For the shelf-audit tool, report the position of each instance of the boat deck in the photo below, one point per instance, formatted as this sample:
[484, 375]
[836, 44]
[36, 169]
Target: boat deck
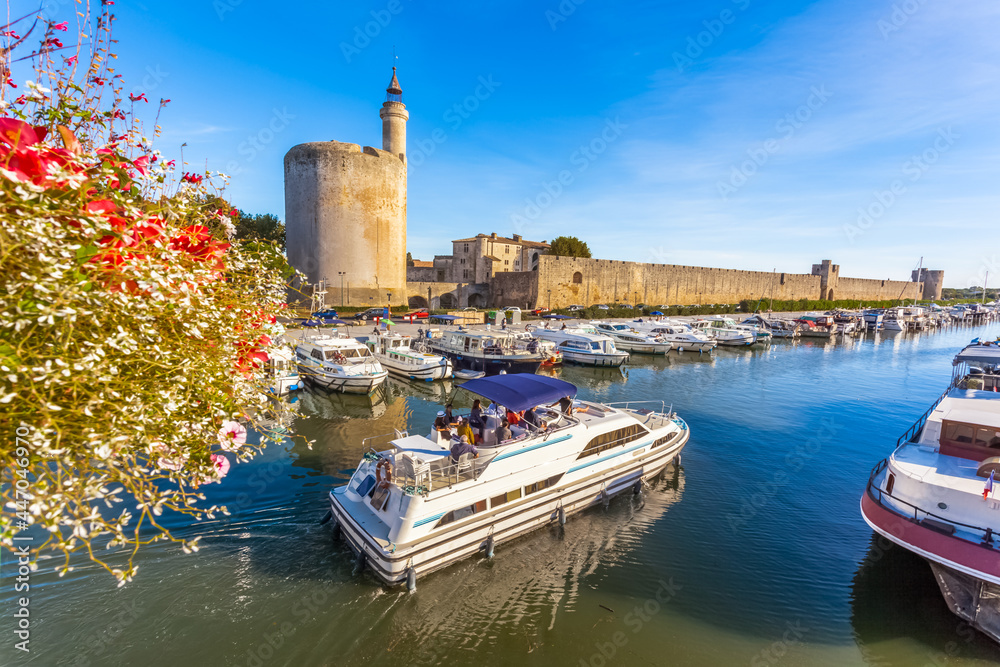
[925, 463]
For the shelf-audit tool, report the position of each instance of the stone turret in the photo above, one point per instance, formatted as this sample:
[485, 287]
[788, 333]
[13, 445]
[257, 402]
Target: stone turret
[394, 117]
[345, 213]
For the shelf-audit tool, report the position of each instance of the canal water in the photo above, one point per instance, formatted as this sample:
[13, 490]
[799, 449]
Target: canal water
[752, 551]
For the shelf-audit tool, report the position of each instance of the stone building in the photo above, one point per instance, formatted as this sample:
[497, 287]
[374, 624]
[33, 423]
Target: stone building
[345, 210]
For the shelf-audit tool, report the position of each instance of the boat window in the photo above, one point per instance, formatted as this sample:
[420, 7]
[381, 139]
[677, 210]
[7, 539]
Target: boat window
[958, 432]
[614, 438]
[987, 437]
[544, 484]
[366, 485]
[664, 440]
[462, 512]
[510, 496]
[317, 355]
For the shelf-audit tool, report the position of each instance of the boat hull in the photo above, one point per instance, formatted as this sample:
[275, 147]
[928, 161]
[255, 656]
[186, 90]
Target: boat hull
[596, 359]
[441, 550]
[643, 348]
[492, 365]
[348, 384]
[427, 373]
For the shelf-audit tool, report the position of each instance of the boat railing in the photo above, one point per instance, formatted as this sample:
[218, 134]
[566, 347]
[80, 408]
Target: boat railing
[443, 473]
[667, 412]
[374, 442]
[912, 432]
[920, 514]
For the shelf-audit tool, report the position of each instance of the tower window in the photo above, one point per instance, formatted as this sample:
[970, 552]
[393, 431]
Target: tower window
[506, 262]
[466, 247]
[463, 260]
[465, 273]
[506, 249]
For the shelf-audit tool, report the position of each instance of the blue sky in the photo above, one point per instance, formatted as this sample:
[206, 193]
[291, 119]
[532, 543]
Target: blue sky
[729, 133]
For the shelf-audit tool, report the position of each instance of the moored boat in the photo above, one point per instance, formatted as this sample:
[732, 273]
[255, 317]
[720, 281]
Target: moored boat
[395, 353]
[339, 363]
[580, 346]
[489, 352]
[410, 508]
[724, 335]
[282, 372]
[680, 335]
[934, 495]
[627, 338]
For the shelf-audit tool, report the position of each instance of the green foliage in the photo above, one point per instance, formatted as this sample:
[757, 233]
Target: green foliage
[409, 259]
[569, 246]
[262, 226]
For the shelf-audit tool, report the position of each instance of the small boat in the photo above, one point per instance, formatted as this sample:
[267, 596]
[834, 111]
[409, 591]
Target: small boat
[817, 326]
[582, 346]
[397, 355]
[935, 494]
[339, 363]
[724, 335]
[410, 508]
[776, 327]
[680, 335]
[627, 338]
[282, 372]
[488, 351]
[761, 333]
[469, 375]
[895, 320]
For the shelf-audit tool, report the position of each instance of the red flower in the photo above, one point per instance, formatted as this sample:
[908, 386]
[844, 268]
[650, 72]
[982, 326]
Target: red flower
[141, 163]
[10, 33]
[172, 163]
[192, 178]
[164, 102]
[136, 98]
[59, 26]
[234, 212]
[17, 134]
[70, 61]
[10, 82]
[98, 81]
[52, 41]
[118, 114]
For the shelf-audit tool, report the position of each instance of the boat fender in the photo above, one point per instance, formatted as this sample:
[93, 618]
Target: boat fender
[326, 517]
[677, 461]
[680, 349]
[637, 487]
[359, 564]
[489, 546]
[411, 579]
[605, 498]
[335, 529]
[562, 516]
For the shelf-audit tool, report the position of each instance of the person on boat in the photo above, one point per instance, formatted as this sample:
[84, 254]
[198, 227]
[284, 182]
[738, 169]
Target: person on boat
[476, 418]
[513, 418]
[531, 417]
[441, 423]
[565, 404]
[464, 430]
[563, 327]
[533, 345]
[503, 432]
[462, 446]
[448, 414]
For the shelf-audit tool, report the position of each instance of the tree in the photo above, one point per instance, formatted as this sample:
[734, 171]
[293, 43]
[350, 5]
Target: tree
[569, 246]
[409, 259]
[262, 226]
[135, 328]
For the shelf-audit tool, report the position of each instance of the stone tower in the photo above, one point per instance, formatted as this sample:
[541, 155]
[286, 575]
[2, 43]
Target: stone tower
[345, 213]
[394, 117]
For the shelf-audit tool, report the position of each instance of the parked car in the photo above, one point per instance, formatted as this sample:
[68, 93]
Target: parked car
[369, 314]
[325, 316]
[539, 310]
[422, 313]
[574, 308]
[601, 306]
[512, 309]
[470, 309]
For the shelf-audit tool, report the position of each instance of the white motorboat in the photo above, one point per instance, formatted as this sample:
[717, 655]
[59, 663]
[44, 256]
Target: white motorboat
[627, 338]
[282, 371]
[874, 318]
[397, 355]
[776, 327]
[680, 335]
[583, 347]
[935, 494]
[895, 320]
[339, 363]
[723, 335]
[761, 333]
[410, 508]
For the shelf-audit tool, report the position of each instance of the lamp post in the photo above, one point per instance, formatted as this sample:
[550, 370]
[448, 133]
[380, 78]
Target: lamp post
[550, 299]
[342, 274]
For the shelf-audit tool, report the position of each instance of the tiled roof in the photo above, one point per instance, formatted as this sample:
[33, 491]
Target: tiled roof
[423, 265]
[492, 258]
[504, 239]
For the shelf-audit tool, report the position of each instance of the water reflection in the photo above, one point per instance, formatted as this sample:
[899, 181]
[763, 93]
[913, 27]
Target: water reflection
[896, 605]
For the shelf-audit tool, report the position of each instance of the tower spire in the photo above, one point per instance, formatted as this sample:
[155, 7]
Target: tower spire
[394, 93]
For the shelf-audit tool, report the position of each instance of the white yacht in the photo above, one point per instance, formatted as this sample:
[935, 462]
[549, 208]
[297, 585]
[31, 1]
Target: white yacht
[778, 328]
[936, 496]
[895, 320]
[681, 336]
[489, 352]
[410, 508]
[580, 346]
[627, 338]
[339, 363]
[724, 335]
[395, 353]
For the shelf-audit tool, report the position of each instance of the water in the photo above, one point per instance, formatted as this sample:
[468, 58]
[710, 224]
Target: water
[753, 551]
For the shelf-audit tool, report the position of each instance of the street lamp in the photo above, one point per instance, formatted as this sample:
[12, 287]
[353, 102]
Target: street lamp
[550, 299]
[342, 274]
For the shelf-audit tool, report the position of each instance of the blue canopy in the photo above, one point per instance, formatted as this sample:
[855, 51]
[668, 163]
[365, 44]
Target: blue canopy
[446, 318]
[520, 391]
[656, 312]
[557, 316]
